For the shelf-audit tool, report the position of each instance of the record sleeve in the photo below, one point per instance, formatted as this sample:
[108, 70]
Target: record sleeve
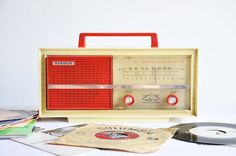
[117, 137]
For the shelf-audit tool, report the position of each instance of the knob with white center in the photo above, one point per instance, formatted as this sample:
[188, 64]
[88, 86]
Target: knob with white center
[128, 99]
[172, 99]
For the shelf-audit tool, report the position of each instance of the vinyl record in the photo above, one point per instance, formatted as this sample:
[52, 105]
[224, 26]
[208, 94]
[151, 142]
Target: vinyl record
[207, 133]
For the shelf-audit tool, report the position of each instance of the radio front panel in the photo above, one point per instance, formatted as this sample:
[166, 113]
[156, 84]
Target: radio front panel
[122, 81]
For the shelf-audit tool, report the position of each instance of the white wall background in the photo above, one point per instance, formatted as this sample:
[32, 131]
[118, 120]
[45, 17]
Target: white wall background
[26, 25]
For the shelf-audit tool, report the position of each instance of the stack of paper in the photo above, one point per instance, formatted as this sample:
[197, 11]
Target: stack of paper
[16, 123]
[39, 139]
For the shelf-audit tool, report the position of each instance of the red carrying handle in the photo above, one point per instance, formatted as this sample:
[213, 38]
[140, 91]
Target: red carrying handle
[82, 37]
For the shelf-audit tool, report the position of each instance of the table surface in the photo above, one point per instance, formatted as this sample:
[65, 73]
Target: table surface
[170, 148]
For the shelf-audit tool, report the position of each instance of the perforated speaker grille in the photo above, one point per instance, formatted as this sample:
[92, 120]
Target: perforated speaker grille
[79, 70]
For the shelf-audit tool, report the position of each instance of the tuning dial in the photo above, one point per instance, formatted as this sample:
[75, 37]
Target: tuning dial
[172, 99]
[128, 100]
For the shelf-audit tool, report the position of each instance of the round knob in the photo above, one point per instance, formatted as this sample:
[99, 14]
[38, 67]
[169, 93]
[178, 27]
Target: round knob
[172, 99]
[128, 100]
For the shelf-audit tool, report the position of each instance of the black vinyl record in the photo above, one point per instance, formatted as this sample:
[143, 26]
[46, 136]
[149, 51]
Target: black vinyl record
[207, 133]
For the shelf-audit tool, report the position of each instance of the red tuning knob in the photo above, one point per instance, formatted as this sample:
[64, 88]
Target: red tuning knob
[172, 99]
[128, 100]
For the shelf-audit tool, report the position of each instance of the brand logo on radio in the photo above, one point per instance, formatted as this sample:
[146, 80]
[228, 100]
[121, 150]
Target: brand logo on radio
[151, 98]
[63, 63]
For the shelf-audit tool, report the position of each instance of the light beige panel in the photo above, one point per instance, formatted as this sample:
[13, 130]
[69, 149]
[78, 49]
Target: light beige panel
[151, 69]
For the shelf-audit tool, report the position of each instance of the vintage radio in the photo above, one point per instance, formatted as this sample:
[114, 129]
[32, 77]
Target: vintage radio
[89, 85]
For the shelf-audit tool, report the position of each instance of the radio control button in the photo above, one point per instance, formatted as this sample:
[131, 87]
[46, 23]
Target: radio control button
[172, 99]
[128, 100]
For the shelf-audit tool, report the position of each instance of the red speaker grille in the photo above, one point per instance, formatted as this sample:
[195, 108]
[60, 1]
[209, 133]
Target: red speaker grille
[75, 70]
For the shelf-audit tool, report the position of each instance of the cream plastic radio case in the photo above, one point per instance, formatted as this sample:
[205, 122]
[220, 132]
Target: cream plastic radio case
[92, 85]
